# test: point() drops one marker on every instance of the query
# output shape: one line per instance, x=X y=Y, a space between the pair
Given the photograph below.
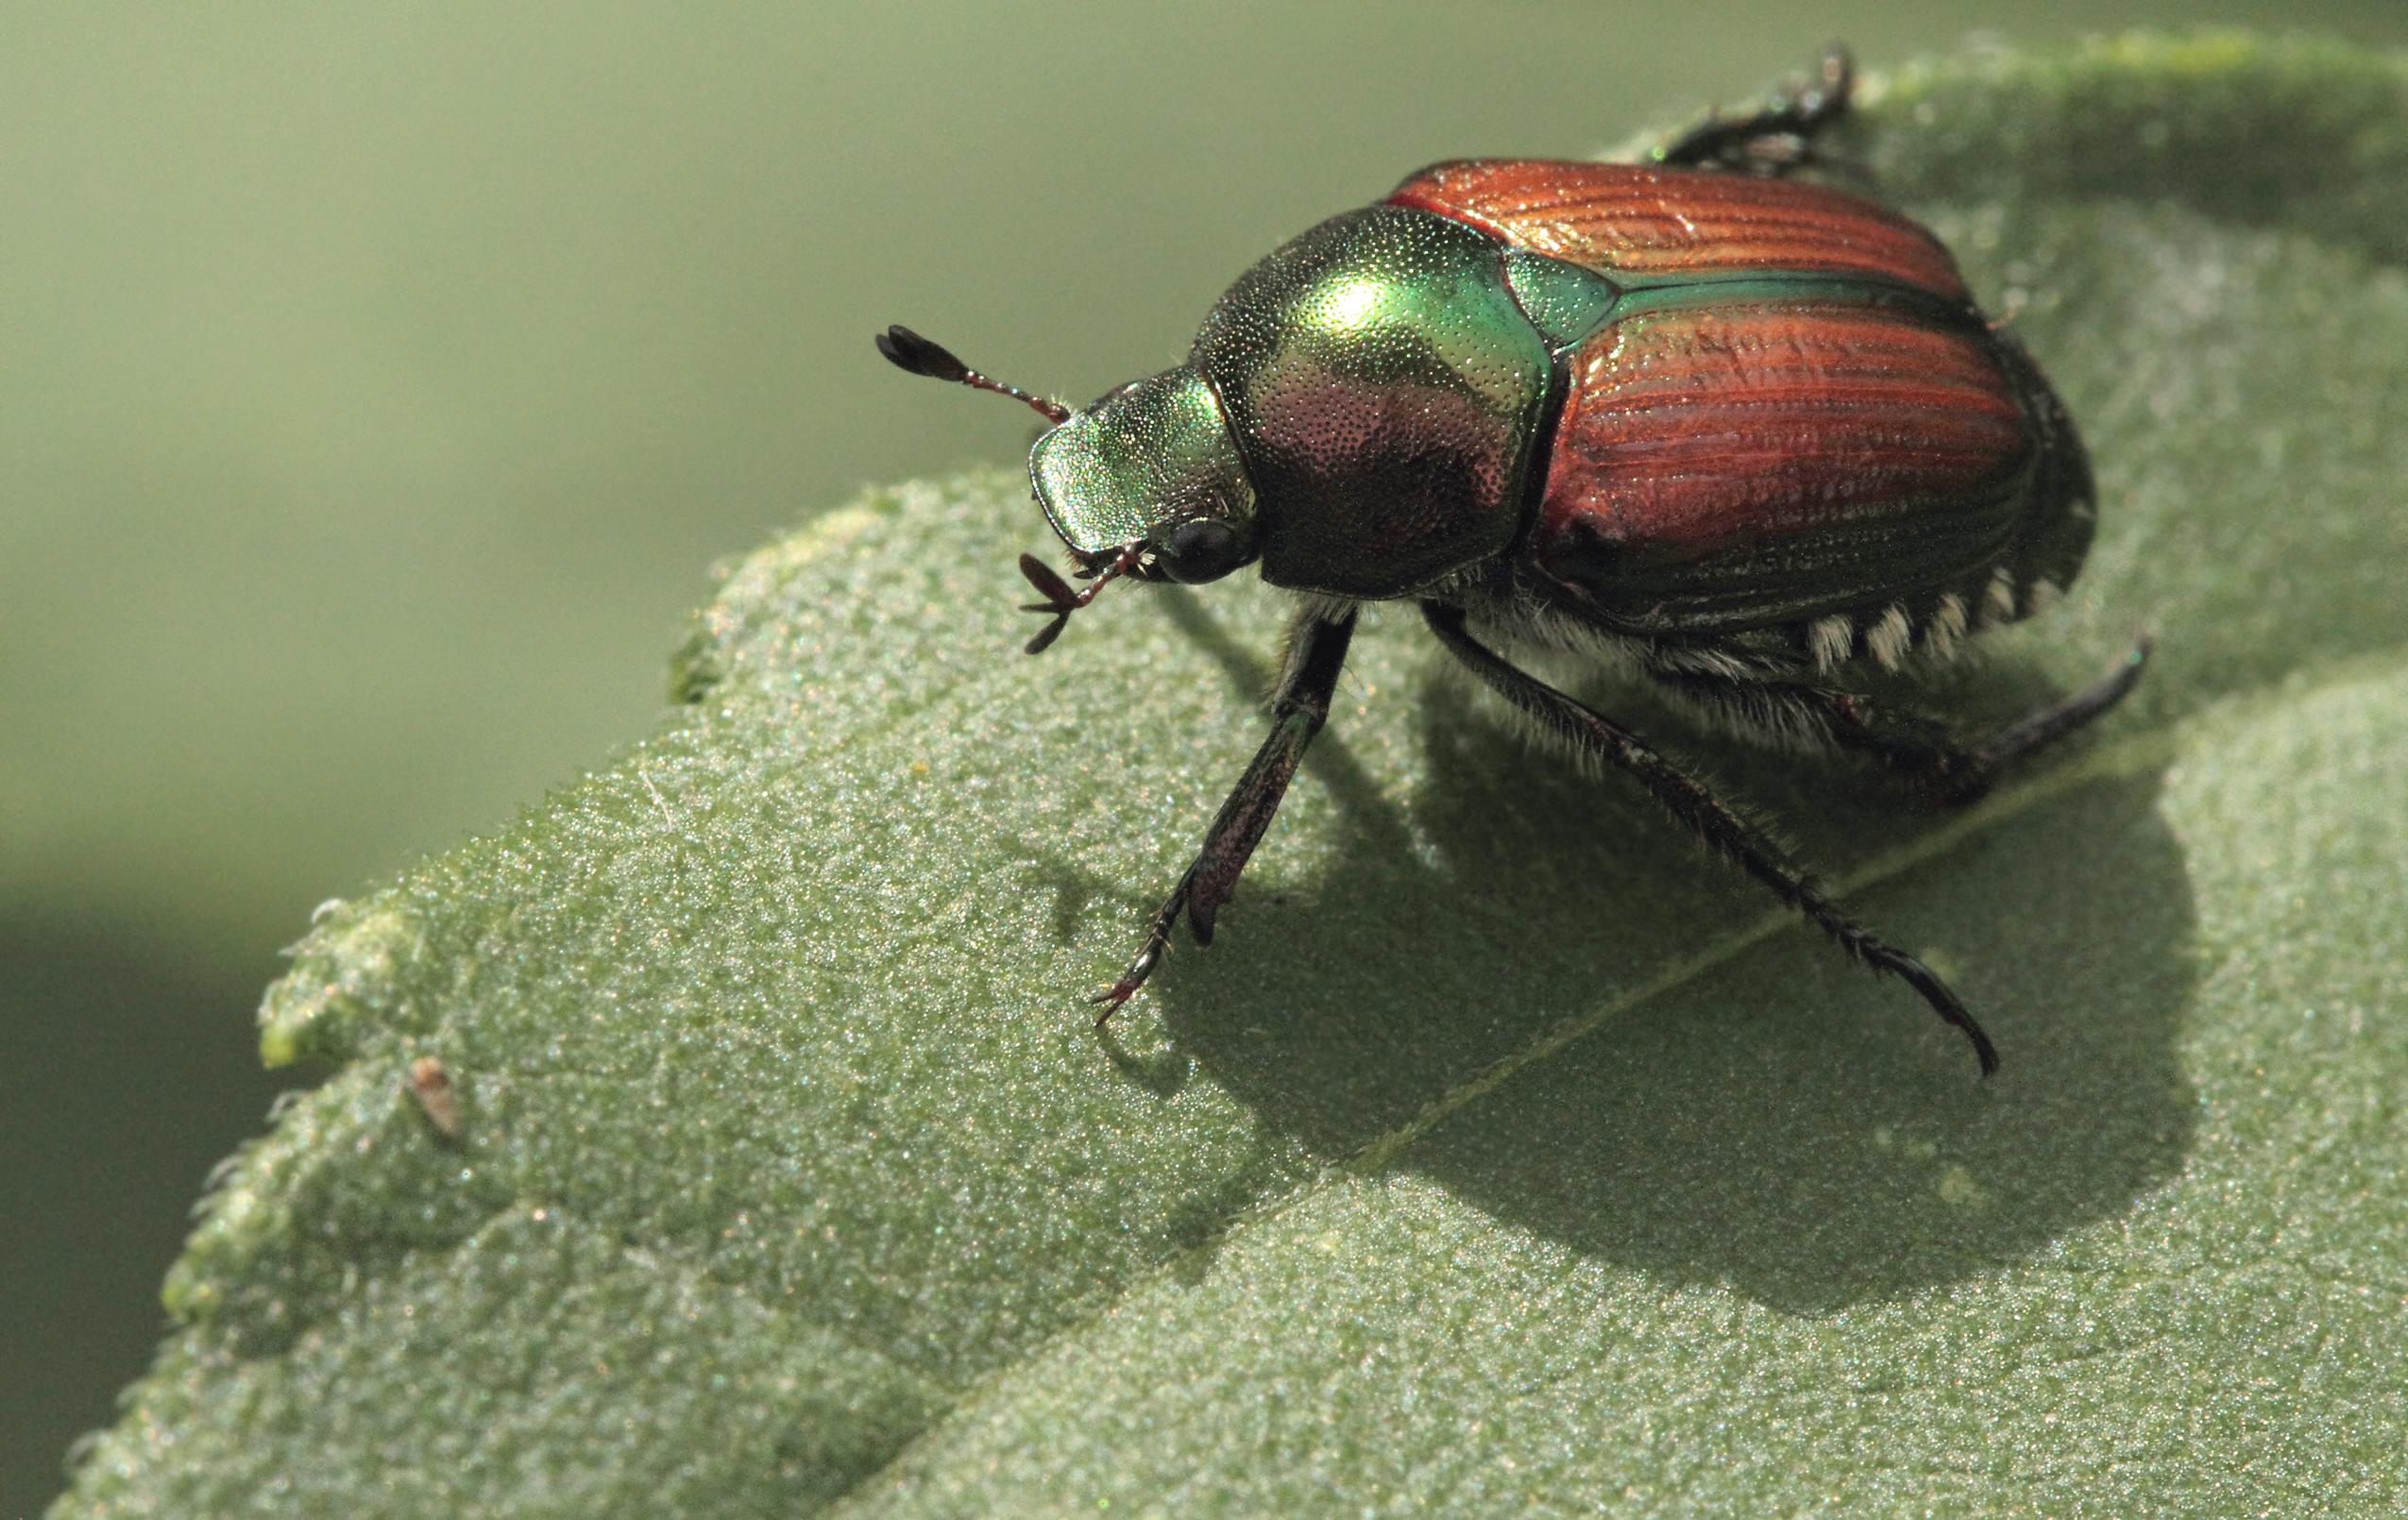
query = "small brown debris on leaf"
x=429 y=1082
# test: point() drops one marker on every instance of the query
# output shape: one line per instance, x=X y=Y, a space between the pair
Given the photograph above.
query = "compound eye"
x=1201 y=548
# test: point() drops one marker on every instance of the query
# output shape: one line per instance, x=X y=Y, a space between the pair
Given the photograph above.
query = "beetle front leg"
x=1689 y=800
x=1777 y=137
x=1317 y=652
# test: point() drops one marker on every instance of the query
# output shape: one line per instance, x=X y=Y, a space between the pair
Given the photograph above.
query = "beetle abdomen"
x=1628 y=221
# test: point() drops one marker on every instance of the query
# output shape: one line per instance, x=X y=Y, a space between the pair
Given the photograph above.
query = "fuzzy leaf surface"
x=1504 y=1154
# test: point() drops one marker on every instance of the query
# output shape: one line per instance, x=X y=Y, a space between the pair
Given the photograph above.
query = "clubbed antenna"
x=915 y=355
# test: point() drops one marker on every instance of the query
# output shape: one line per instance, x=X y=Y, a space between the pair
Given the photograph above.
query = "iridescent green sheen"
x=1762 y=286
x=1148 y=456
x=1384 y=389
x=1566 y=301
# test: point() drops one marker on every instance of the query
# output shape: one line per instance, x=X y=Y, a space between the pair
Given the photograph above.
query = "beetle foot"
x=1158 y=943
x=2036 y=730
x=1780 y=136
x=1864 y=946
x=1130 y=980
x=1118 y=993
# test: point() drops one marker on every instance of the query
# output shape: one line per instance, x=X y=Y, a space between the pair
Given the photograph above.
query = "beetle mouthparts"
x=1059 y=599
x=915 y=355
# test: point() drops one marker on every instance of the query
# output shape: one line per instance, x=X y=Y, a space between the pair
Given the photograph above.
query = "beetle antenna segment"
x=1059 y=599
x=915 y=355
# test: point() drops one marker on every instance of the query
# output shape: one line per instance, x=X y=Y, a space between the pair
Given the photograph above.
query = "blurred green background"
x=377 y=384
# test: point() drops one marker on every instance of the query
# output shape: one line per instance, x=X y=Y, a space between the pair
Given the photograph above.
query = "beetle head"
x=1145 y=482
x=1149 y=466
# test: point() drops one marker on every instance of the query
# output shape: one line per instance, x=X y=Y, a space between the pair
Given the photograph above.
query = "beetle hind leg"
x=1778 y=137
x=1955 y=766
x=1724 y=830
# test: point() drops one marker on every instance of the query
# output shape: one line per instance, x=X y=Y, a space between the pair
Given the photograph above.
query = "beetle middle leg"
x=1777 y=137
x=1317 y=652
x=1689 y=800
x=1958 y=768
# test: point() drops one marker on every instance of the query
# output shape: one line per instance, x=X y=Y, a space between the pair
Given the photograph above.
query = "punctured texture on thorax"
x=1384 y=390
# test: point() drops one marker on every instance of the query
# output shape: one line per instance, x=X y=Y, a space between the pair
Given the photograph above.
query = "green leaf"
x=1505 y=1154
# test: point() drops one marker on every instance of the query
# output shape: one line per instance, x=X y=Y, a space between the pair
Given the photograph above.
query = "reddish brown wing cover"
x=1628 y=219
x=1746 y=455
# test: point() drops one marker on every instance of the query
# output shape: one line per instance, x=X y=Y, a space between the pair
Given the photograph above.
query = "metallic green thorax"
x=1361 y=406
x=1386 y=391
x=1151 y=455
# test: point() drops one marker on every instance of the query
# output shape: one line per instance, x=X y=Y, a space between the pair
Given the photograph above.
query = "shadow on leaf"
x=1779 y=1121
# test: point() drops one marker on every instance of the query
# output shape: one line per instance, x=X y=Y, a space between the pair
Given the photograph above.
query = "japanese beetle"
x=1742 y=429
